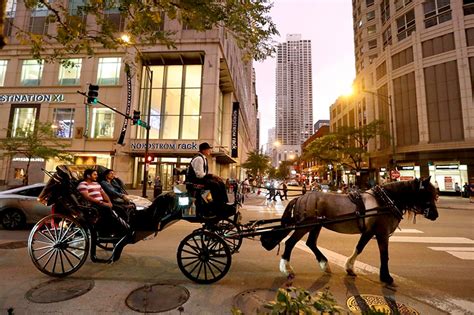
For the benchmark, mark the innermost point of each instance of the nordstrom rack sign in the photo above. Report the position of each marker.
(31, 98)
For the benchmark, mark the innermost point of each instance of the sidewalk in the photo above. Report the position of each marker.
(452, 202)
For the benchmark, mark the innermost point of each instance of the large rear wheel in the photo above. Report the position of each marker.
(204, 257)
(58, 245)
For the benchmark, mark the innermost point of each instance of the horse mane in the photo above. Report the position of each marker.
(403, 193)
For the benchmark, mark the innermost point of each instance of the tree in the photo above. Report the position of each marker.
(40, 143)
(257, 163)
(347, 146)
(87, 28)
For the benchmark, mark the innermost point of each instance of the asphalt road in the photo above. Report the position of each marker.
(432, 263)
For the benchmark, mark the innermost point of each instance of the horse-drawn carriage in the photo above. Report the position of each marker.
(59, 244)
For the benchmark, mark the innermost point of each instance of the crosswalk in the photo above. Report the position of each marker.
(464, 252)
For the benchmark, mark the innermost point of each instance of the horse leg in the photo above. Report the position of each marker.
(290, 243)
(311, 243)
(382, 241)
(364, 239)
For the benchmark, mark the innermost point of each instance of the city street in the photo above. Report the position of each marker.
(432, 263)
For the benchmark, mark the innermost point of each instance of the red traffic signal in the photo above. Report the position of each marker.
(149, 158)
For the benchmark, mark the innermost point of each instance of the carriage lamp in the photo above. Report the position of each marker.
(183, 201)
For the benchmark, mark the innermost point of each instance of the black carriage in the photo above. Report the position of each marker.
(60, 243)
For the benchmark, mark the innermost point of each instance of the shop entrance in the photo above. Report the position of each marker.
(164, 168)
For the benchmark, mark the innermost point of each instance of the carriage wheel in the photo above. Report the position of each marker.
(204, 257)
(226, 228)
(58, 245)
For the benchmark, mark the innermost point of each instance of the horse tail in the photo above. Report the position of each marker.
(272, 238)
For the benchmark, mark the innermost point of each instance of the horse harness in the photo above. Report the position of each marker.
(382, 198)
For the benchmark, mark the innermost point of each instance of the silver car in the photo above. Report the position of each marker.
(19, 206)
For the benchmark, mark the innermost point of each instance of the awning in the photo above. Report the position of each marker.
(223, 158)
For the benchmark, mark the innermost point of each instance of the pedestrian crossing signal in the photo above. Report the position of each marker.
(93, 94)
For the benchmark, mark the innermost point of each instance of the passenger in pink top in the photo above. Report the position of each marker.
(91, 190)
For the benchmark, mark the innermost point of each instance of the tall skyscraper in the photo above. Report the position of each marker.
(294, 95)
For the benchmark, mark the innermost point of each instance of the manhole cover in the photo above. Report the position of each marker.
(14, 245)
(59, 290)
(157, 298)
(361, 304)
(253, 301)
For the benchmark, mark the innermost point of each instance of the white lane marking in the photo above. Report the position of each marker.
(446, 303)
(426, 239)
(453, 249)
(408, 231)
(465, 253)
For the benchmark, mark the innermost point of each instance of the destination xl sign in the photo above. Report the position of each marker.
(32, 98)
(167, 146)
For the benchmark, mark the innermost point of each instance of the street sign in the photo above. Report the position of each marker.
(394, 174)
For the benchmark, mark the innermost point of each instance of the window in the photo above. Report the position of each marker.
(401, 3)
(3, 71)
(387, 37)
(76, 9)
(406, 25)
(438, 45)
(103, 122)
(368, 3)
(372, 44)
(23, 120)
(371, 29)
(402, 58)
(39, 20)
(405, 110)
(175, 102)
(115, 19)
(70, 72)
(381, 70)
(31, 72)
(384, 10)
(436, 12)
(468, 7)
(370, 15)
(9, 16)
(63, 122)
(109, 71)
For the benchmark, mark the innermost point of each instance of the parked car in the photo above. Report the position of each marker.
(19, 206)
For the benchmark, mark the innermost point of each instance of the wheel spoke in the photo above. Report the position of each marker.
(67, 230)
(61, 259)
(191, 253)
(44, 247)
(55, 260)
(46, 253)
(67, 258)
(74, 254)
(49, 259)
(196, 260)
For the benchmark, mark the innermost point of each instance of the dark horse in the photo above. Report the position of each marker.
(384, 206)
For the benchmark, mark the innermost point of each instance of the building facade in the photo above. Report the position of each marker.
(414, 71)
(200, 91)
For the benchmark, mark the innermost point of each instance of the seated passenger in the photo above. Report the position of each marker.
(113, 188)
(93, 192)
(198, 174)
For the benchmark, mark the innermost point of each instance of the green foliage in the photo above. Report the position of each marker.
(87, 28)
(37, 142)
(257, 163)
(347, 146)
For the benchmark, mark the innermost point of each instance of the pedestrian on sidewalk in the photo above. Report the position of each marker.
(158, 188)
(466, 190)
(457, 189)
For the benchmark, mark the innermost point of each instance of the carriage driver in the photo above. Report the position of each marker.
(198, 174)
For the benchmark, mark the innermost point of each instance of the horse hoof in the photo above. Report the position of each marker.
(351, 273)
(324, 266)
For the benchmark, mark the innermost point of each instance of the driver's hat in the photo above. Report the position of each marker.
(204, 146)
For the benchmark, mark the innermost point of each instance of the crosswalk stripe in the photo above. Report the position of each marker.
(453, 249)
(462, 255)
(426, 239)
(408, 231)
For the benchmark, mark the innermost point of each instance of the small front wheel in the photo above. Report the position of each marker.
(230, 233)
(58, 245)
(204, 257)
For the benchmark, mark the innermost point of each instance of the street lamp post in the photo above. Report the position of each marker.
(388, 101)
(149, 75)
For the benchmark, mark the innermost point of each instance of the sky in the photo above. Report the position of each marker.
(328, 24)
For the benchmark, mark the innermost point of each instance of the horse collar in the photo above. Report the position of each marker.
(382, 196)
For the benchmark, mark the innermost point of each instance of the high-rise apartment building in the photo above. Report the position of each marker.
(294, 95)
(415, 71)
(202, 90)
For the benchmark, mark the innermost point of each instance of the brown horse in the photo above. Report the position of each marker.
(384, 209)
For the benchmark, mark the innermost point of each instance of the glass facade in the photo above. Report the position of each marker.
(3, 71)
(175, 102)
(71, 74)
(23, 122)
(63, 121)
(108, 72)
(31, 72)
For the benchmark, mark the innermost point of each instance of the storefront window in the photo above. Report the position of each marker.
(31, 72)
(70, 74)
(175, 102)
(23, 121)
(19, 173)
(102, 125)
(109, 71)
(63, 121)
(3, 71)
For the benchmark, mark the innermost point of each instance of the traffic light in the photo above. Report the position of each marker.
(136, 117)
(149, 158)
(92, 94)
